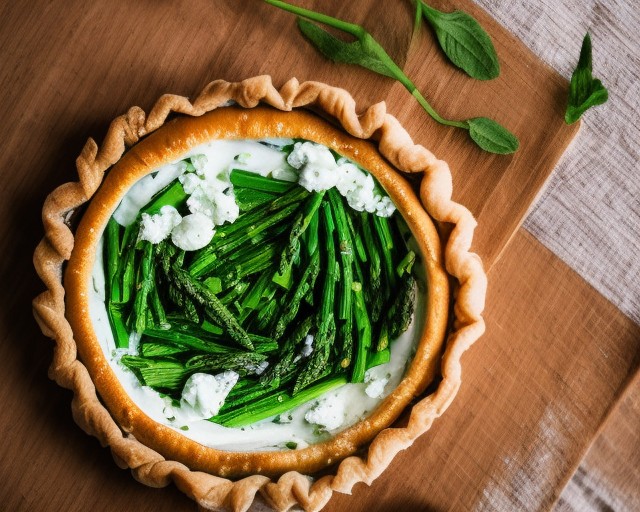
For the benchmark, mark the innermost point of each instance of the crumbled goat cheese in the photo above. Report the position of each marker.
(319, 171)
(258, 369)
(285, 175)
(204, 394)
(317, 166)
(211, 194)
(375, 387)
(155, 228)
(307, 348)
(326, 413)
(199, 163)
(193, 233)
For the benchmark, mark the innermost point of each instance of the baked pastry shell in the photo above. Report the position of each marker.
(293, 489)
(172, 142)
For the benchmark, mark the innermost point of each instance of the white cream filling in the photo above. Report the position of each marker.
(307, 424)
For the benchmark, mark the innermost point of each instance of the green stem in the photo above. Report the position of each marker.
(145, 282)
(300, 225)
(118, 326)
(275, 403)
(391, 68)
(203, 296)
(253, 181)
(429, 109)
(173, 195)
(349, 28)
(324, 338)
(112, 250)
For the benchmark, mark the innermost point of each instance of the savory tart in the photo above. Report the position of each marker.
(257, 293)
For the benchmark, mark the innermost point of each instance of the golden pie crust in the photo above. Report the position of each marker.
(159, 455)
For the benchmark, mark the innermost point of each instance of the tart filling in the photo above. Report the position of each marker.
(312, 272)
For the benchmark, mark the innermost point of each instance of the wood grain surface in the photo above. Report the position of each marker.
(608, 476)
(555, 356)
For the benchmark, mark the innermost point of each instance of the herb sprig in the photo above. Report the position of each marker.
(584, 91)
(463, 41)
(366, 52)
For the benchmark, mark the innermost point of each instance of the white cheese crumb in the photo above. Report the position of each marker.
(155, 228)
(307, 348)
(319, 171)
(375, 387)
(211, 195)
(285, 175)
(199, 163)
(193, 233)
(326, 413)
(258, 369)
(317, 166)
(204, 394)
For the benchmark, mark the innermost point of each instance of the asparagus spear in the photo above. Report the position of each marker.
(172, 195)
(249, 221)
(145, 283)
(152, 349)
(248, 199)
(118, 326)
(166, 374)
(317, 364)
(311, 234)
(266, 316)
(385, 243)
(112, 256)
(402, 310)
(201, 266)
(275, 403)
(253, 181)
(345, 292)
(156, 304)
(242, 363)
(252, 261)
(203, 296)
(197, 338)
(364, 337)
(291, 302)
(128, 276)
(378, 358)
(286, 355)
(237, 398)
(376, 296)
(358, 243)
(300, 225)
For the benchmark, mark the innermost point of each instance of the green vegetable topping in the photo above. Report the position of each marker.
(584, 91)
(301, 294)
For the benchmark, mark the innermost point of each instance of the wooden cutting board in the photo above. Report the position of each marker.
(70, 67)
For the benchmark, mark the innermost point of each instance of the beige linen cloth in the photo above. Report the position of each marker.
(589, 214)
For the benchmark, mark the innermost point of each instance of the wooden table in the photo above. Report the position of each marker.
(544, 382)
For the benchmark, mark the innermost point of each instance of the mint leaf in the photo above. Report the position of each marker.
(491, 136)
(363, 52)
(584, 91)
(464, 42)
